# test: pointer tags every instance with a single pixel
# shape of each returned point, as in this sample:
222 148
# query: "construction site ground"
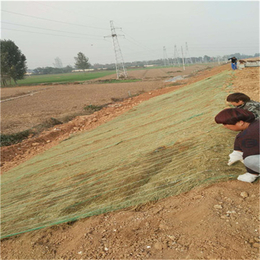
220 221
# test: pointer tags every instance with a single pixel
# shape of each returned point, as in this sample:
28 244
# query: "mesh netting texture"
163 147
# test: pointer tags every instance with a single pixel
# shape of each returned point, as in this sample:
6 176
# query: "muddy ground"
216 222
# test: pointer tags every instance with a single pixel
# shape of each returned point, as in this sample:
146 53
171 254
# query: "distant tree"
13 62
239 56
67 69
51 70
48 70
81 61
37 71
206 58
57 63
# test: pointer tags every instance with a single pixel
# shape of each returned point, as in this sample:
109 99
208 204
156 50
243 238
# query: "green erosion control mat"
165 146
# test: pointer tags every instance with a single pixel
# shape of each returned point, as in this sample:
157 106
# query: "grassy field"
79 76
67 77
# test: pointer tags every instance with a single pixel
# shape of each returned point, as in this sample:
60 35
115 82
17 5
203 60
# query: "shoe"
247 177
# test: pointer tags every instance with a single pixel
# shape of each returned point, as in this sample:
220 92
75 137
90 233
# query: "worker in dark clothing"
246 146
233 63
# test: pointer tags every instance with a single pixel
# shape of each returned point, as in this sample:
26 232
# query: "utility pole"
120 68
183 63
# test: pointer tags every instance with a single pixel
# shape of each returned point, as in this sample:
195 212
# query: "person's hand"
235 156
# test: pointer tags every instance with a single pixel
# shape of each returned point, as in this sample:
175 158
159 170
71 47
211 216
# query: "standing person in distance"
233 63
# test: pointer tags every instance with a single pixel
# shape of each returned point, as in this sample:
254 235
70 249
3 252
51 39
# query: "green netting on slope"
162 147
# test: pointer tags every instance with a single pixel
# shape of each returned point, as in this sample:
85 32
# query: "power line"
146 52
45 19
136 42
49 29
46 34
68 11
150 51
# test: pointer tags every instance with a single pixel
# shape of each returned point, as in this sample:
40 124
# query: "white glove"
234 157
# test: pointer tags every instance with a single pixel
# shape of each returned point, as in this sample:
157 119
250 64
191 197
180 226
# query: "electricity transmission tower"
165 57
120 68
187 53
57 63
183 59
176 56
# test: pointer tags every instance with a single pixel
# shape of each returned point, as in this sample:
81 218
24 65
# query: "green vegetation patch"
163 147
9 139
63 78
93 108
120 81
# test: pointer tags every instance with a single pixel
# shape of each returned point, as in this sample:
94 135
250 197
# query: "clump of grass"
88 110
70 117
9 139
117 99
92 108
176 84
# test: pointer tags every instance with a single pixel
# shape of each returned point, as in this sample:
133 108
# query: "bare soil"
220 221
25 107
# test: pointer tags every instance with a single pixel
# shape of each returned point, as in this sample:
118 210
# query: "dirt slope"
216 222
13 155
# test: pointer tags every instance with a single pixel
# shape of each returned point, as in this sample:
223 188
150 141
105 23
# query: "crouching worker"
246 146
241 100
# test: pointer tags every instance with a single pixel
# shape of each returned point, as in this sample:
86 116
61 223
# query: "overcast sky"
44 30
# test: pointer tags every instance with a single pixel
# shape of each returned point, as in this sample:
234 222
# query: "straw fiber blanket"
220 221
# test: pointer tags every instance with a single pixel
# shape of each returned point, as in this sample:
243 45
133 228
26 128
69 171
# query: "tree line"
52 70
13 63
14 67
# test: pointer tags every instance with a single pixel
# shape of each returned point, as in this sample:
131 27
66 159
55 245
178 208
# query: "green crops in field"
67 77
164 146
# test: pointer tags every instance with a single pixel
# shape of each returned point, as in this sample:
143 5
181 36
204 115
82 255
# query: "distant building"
82 70
255 62
252 63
